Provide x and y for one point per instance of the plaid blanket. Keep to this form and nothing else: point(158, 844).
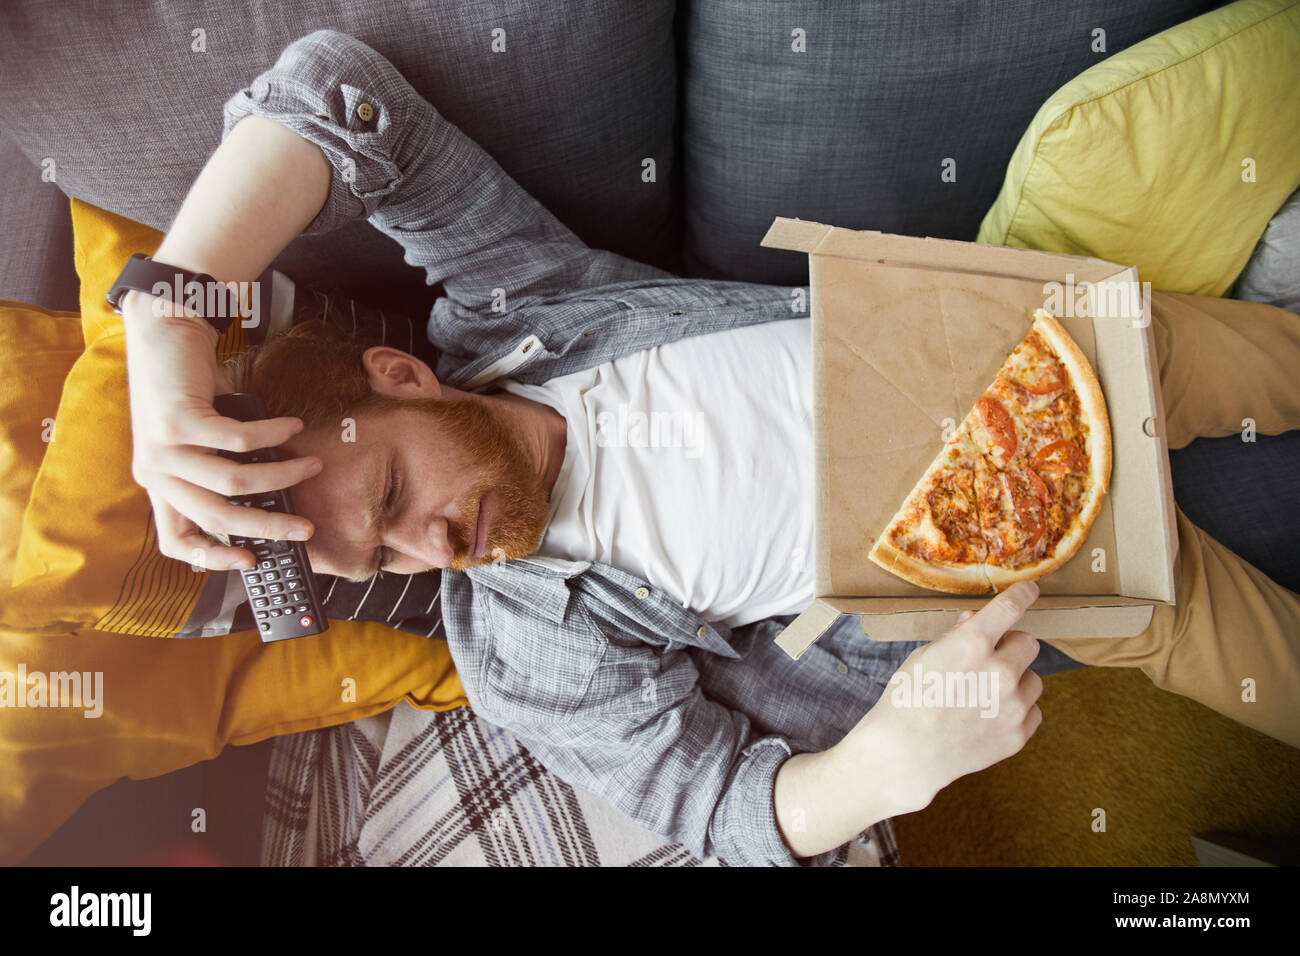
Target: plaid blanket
point(424, 788)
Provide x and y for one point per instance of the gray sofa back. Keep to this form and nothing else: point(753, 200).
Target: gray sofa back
point(35, 235)
point(125, 98)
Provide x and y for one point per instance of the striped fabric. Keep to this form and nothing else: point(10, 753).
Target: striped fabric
point(426, 788)
point(409, 602)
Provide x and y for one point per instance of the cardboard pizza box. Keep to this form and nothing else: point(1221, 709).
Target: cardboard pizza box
point(906, 334)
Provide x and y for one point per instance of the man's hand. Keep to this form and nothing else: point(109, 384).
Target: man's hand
point(899, 757)
point(934, 745)
point(173, 377)
point(259, 189)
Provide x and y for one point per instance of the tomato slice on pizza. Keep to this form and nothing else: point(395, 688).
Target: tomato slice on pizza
point(1012, 495)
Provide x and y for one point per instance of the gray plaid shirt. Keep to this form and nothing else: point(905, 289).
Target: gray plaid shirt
point(600, 675)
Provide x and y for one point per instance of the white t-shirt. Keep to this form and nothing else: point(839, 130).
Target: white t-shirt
point(690, 466)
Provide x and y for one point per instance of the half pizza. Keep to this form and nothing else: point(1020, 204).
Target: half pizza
point(1013, 493)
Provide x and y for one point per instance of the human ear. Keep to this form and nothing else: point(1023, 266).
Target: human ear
point(397, 374)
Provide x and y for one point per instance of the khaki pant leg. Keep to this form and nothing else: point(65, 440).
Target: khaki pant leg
point(1231, 623)
point(1222, 361)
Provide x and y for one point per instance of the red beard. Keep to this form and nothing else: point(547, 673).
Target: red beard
point(480, 438)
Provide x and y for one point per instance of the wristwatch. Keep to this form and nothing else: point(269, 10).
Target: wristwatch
point(144, 274)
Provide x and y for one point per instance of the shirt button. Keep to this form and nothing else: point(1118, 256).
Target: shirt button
point(702, 633)
point(366, 112)
point(842, 667)
point(259, 91)
point(643, 592)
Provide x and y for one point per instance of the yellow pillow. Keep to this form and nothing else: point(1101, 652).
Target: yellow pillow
point(87, 554)
point(88, 521)
point(1171, 155)
point(37, 349)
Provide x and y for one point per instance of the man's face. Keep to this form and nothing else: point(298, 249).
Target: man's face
point(438, 468)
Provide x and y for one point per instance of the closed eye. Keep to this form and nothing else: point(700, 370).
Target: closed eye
point(384, 555)
point(394, 486)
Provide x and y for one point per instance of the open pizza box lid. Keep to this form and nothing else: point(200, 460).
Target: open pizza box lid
point(906, 334)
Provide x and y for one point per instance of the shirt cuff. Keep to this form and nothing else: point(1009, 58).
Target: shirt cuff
point(753, 838)
point(340, 94)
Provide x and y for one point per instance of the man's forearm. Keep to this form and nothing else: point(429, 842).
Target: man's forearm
point(823, 800)
point(261, 187)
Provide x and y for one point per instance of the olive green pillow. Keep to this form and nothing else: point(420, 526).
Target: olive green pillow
point(1171, 155)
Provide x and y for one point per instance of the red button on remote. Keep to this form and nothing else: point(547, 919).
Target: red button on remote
point(305, 620)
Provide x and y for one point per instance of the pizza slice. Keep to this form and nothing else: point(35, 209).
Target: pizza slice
point(1036, 449)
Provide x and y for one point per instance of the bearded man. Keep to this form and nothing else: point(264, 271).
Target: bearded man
point(609, 600)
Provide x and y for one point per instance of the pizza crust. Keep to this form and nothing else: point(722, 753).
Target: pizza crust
point(1093, 404)
point(957, 579)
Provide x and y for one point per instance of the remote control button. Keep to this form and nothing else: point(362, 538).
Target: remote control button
point(294, 585)
point(256, 591)
point(305, 621)
point(266, 626)
point(291, 573)
point(279, 599)
point(264, 565)
point(262, 615)
point(259, 602)
point(258, 541)
point(271, 576)
point(253, 578)
point(274, 588)
point(302, 608)
point(286, 560)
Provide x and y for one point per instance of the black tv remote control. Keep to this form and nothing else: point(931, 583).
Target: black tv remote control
point(280, 586)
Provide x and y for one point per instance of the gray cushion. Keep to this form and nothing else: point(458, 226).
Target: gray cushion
point(1272, 275)
point(583, 92)
point(36, 241)
point(854, 131)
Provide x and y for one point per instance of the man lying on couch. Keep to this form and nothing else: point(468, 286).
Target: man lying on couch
point(614, 605)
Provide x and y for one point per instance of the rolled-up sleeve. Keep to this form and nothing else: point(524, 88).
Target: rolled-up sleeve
point(643, 736)
point(420, 180)
point(336, 92)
